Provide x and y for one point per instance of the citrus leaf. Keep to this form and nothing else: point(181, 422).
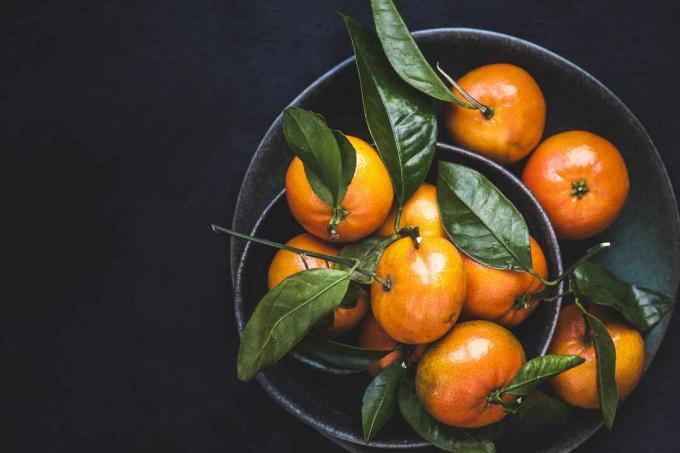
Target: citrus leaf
point(401, 120)
point(480, 220)
point(333, 357)
point(538, 408)
point(285, 315)
point(641, 306)
point(368, 252)
point(354, 292)
point(317, 146)
point(348, 156)
point(380, 399)
point(448, 438)
point(538, 370)
point(606, 366)
point(403, 52)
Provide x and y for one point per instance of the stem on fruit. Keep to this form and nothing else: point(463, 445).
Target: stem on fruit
point(579, 188)
point(486, 111)
point(337, 215)
point(413, 233)
point(350, 262)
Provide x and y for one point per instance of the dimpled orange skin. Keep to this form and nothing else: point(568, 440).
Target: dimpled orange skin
point(491, 293)
point(578, 386)
point(427, 289)
point(518, 117)
point(421, 210)
point(368, 199)
point(287, 263)
point(570, 157)
point(457, 373)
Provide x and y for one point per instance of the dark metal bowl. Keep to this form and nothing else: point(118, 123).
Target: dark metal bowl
point(646, 237)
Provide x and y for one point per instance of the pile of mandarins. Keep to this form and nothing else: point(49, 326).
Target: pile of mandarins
point(456, 310)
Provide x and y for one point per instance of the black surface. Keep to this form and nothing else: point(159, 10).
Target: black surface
point(128, 128)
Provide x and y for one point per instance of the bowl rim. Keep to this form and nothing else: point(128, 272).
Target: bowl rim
point(551, 248)
point(452, 33)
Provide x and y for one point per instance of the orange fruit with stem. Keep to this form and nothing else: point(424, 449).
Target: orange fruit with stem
point(578, 385)
point(366, 204)
point(457, 375)
point(581, 181)
point(421, 210)
point(503, 296)
point(516, 118)
point(420, 289)
point(287, 263)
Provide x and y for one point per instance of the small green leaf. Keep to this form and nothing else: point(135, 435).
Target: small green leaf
point(329, 163)
point(538, 370)
point(285, 315)
point(368, 252)
point(380, 399)
point(480, 220)
point(403, 52)
point(606, 366)
point(540, 409)
point(640, 306)
point(401, 120)
point(333, 357)
point(448, 438)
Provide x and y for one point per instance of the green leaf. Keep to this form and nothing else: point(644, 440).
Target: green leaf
point(538, 370)
point(480, 220)
point(402, 121)
point(348, 156)
point(380, 399)
point(448, 438)
point(285, 315)
point(641, 306)
point(354, 292)
point(403, 52)
point(538, 408)
point(606, 366)
point(333, 357)
point(368, 252)
point(329, 164)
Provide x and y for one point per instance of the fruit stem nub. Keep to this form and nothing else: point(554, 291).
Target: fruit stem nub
point(579, 188)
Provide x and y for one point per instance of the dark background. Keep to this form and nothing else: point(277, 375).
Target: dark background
point(126, 128)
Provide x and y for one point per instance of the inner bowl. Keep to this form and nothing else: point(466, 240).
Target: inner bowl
point(330, 403)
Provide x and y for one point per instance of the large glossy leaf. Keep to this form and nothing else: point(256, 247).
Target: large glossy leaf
point(537, 408)
point(380, 399)
point(328, 157)
point(538, 370)
point(368, 252)
point(606, 366)
point(402, 121)
point(480, 220)
point(641, 306)
point(448, 438)
point(285, 315)
point(403, 52)
point(333, 357)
